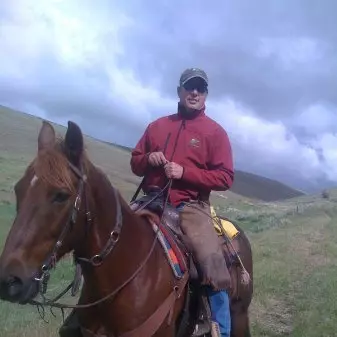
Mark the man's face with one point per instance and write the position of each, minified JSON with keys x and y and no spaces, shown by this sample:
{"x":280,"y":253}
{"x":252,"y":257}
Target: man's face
{"x":193,"y":94}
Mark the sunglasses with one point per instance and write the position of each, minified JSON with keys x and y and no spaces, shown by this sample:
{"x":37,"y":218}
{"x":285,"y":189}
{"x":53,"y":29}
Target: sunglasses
{"x":196,"y":84}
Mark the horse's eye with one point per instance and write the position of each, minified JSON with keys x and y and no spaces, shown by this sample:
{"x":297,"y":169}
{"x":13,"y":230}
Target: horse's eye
{"x":60,"y":197}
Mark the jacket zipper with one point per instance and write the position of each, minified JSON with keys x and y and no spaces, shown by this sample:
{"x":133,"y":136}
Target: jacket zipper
{"x":182,"y":125}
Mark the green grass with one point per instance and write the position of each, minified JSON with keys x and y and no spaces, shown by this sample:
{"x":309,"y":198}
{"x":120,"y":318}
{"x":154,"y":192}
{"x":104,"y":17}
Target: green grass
{"x":6,"y":215}
{"x":294,"y":277}
{"x":294,"y":247}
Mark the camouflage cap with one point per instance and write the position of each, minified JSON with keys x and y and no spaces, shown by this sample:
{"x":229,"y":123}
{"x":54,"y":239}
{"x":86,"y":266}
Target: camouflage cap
{"x":192,"y":73}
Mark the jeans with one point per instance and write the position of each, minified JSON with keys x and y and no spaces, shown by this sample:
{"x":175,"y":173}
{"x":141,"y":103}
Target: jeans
{"x":219,"y":302}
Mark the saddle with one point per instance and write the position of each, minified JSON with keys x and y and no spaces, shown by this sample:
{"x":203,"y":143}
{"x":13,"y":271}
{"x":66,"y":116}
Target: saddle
{"x":151,"y":202}
{"x":152,"y":205}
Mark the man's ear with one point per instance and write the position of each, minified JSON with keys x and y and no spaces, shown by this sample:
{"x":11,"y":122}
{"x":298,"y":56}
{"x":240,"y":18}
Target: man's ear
{"x":178,"y":91}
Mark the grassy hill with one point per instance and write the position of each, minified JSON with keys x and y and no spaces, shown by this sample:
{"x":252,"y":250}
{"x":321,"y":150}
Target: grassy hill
{"x":293,"y":244}
{"x":254,"y":186}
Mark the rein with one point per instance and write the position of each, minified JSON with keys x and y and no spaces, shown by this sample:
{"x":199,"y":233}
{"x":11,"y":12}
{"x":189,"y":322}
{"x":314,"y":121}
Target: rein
{"x":95,"y":260}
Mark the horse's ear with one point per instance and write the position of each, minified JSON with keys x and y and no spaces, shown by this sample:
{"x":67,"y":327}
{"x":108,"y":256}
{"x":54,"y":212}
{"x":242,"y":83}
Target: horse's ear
{"x":46,"y":137}
{"x":74,"y":143}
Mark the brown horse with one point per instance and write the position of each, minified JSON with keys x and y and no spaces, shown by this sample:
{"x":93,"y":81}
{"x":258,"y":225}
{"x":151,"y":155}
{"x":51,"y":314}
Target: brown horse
{"x":66,"y":204}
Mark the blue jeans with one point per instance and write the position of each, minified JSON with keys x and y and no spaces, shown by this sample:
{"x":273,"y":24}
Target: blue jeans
{"x":219,"y":302}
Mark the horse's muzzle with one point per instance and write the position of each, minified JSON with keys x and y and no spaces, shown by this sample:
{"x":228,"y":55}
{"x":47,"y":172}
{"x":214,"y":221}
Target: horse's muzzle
{"x":14,"y":289}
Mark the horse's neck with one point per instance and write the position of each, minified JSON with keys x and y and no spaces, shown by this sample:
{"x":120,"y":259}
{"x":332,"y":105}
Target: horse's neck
{"x":132,"y":245}
{"x":104,"y":204}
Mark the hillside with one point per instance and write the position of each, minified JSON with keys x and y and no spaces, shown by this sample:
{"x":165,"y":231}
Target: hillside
{"x":254,"y":186}
{"x":18,"y":132}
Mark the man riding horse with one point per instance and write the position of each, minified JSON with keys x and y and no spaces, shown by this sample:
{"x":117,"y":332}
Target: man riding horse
{"x":194,"y":151}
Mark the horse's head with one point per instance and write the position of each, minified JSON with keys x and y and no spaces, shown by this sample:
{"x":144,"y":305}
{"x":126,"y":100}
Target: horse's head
{"x":49,"y":197}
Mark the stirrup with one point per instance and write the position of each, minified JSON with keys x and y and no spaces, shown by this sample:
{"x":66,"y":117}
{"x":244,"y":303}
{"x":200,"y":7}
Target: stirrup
{"x":201,"y":329}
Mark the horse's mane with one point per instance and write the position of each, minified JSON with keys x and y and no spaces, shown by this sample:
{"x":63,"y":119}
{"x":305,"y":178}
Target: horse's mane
{"x":52,"y":166}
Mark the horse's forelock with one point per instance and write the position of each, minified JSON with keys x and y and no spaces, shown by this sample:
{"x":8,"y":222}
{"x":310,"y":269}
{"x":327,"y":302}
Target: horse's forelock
{"x":51,"y":166}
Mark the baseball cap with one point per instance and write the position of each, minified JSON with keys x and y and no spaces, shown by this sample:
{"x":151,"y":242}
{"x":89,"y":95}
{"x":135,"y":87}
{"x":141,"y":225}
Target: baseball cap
{"x":192,"y":73}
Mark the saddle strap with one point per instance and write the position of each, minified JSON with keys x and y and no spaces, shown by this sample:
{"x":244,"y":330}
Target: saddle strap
{"x":153,"y":323}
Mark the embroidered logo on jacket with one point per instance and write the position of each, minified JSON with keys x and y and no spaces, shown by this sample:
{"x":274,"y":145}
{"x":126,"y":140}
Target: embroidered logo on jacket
{"x":195,"y":142}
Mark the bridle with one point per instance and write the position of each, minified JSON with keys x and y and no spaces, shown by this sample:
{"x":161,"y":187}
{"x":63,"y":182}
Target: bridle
{"x":50,"y":263}
{"x":96,"y":259}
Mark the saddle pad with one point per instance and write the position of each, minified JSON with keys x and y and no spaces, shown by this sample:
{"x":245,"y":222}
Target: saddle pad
{"x":172,"y":251}
{"x":226,"y":226}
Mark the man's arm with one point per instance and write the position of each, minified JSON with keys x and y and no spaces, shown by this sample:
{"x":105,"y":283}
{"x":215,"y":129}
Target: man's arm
{"x":139,"y":155}
{"x":220,"y":176}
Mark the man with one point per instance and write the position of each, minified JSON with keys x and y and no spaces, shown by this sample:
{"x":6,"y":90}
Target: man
{"x":194,"y":151}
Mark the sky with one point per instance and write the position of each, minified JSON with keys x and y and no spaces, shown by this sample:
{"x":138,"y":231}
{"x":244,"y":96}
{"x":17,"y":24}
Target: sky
{"x":113,"y":67}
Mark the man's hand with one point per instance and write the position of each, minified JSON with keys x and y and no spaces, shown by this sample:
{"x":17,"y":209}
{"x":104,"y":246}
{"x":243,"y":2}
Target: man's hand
{"x":157,"y":159}
{"x":173,"y":170}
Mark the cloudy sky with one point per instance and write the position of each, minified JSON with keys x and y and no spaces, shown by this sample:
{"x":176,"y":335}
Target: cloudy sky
{"x":113,"y":67}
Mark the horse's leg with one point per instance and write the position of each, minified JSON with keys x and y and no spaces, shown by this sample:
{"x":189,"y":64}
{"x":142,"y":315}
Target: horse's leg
{"x":240,"y":323}
{"x":71,"y":326}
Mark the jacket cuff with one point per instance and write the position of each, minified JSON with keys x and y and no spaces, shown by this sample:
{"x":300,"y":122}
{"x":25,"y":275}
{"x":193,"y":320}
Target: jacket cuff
{"x":188,"y":174}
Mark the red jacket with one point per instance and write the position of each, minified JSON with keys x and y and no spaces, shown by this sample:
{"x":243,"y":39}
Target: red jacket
{"x":202,"y":149}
